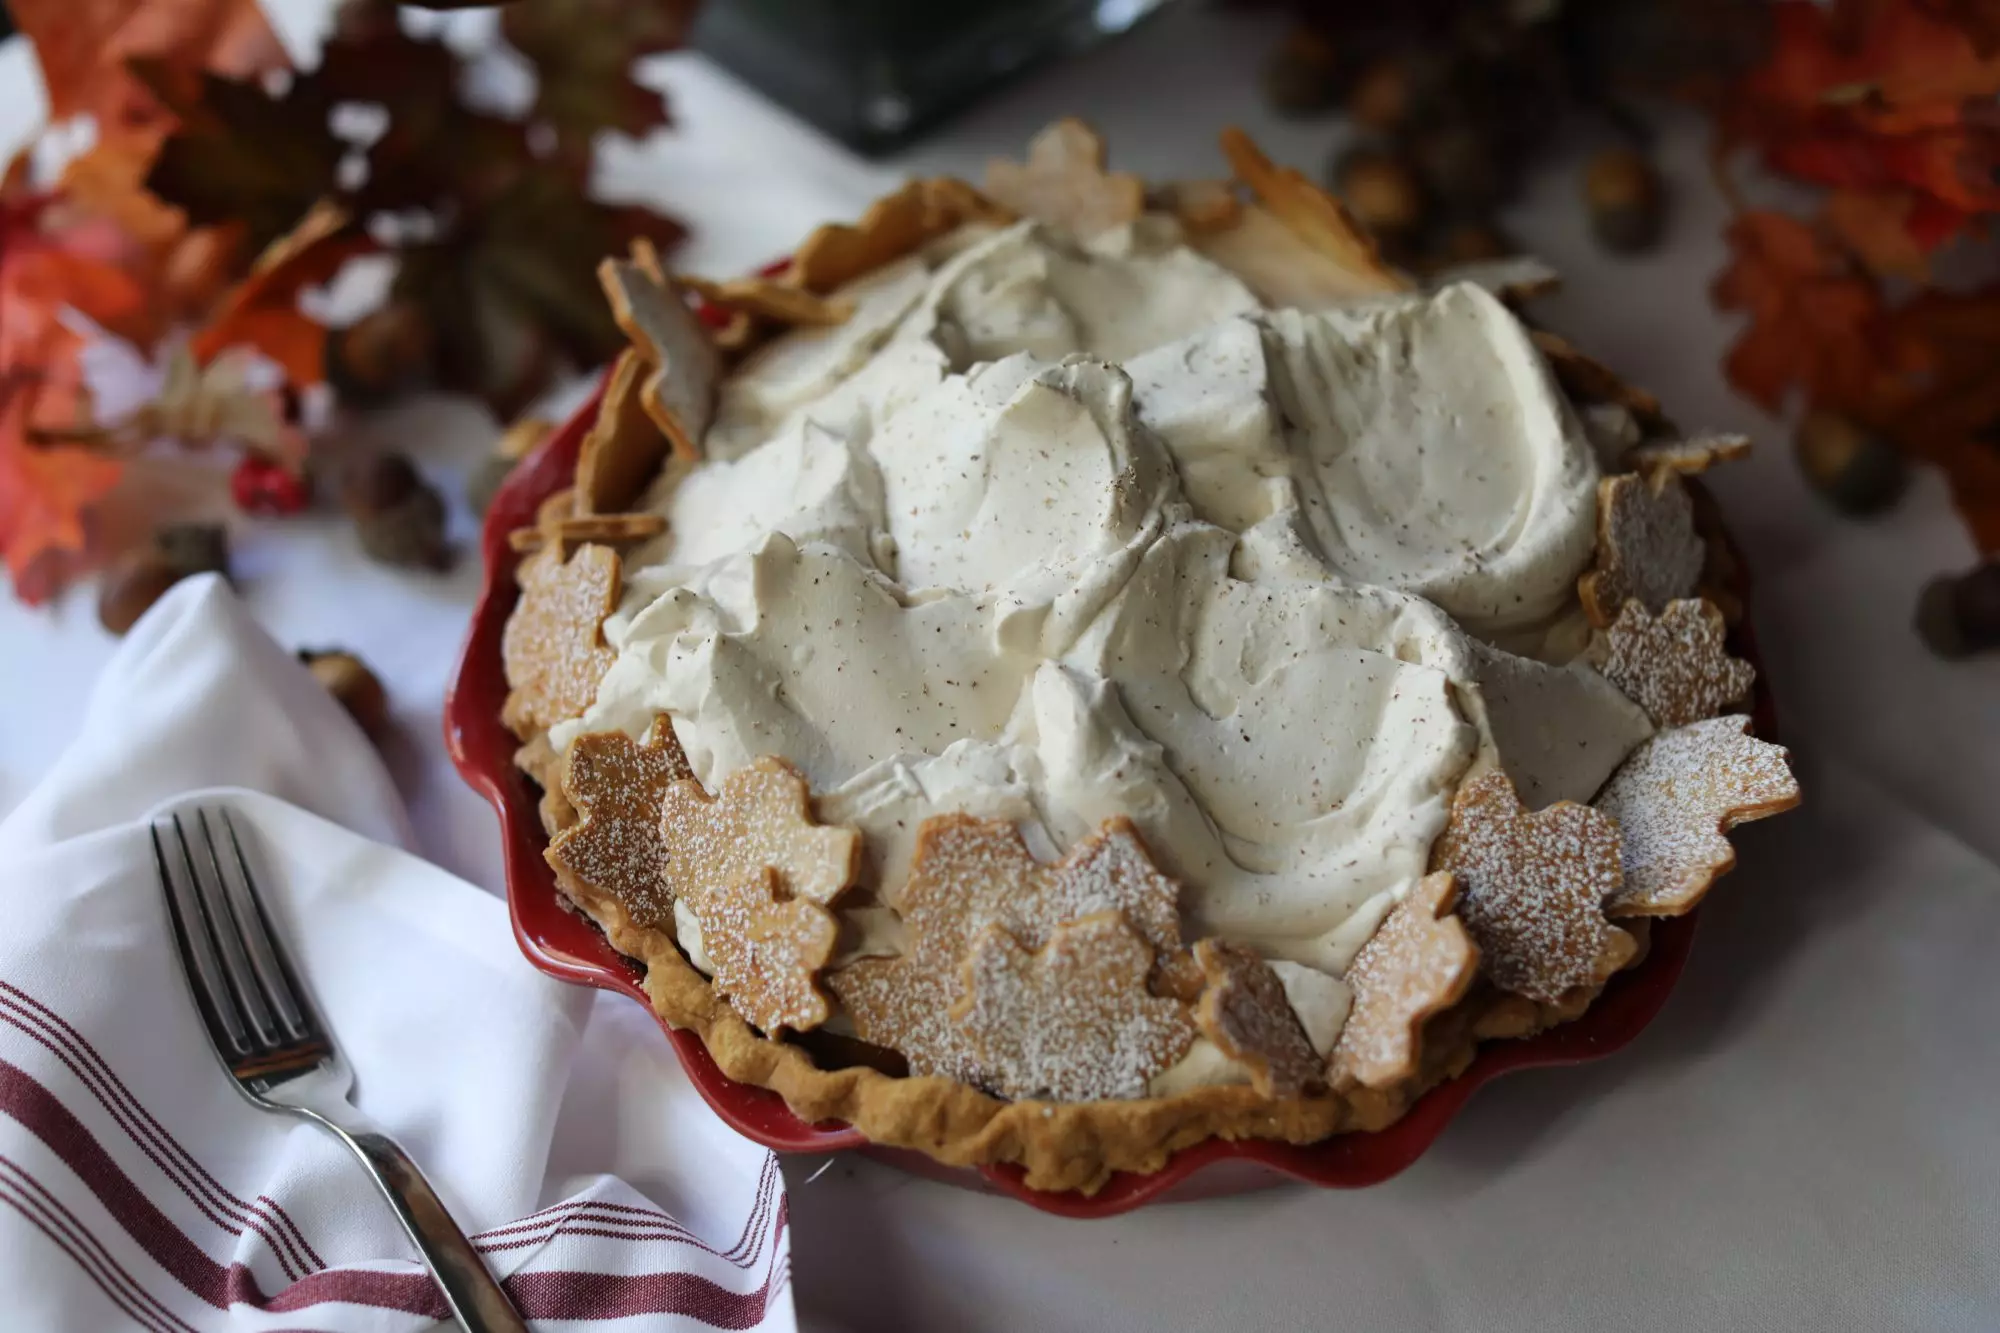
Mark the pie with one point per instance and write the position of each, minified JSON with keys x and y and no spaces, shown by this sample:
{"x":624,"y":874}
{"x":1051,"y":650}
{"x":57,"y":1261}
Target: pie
{"x":1114,"y":670}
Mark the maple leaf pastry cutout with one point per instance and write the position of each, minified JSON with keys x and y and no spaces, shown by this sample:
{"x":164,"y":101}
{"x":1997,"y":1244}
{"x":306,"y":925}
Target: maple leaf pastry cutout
{"x":618,"y":786}
{"x":1647,"y":547}
{"x":1244,"y":1010}
{"x":1064,"y":184}
{"x":1532,"y":889}
{"x":969,"y":874}
{"x":1677,"y":666}
{"x":1420,"y":962}
{"x":1072,"y":1021}
{"x":1676,"y":798}
{"x":553,"y":647}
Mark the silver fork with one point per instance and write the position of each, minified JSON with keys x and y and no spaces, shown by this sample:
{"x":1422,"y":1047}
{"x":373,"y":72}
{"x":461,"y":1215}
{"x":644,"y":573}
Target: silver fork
{"x":264,"y":1030}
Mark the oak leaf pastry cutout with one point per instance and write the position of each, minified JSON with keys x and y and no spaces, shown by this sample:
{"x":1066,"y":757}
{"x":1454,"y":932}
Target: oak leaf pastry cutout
{"x":837,"y":253}
{"x":679,"y":389}
{"x":1064,"y":184}
{"x":625,"y":447}
{"x":1676,"y":667}
{"x":553,"y":648}
{"x":1244,"y":1010}
{"x":1688,"y":457}
{"x":767,"y":949}
{"x":1317,"y":218}
{"x":1420,"y":962}
{"x":1201,"y":206}
{"x":1532,"y":889}
{"x":759,"y":818}
{"x":1675,"y":800}
{"x":617,"y":787}
{"x":1072,"y":1021}
{"x":1647,"y":546}
{"x":968,"y":874}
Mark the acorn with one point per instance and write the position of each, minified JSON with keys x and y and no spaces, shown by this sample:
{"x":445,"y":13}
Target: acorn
{"x":1381,"y":96}
{"x":1472,"y":243}
{"x":1959,"y":615}
{"x":352,"y":685}
{"x":1627,"y":200}
{"x":1381,"y":191}
{"x":385,"y":352}
{"x":131,"y":585}
{"x":1304,"y":75}
{"x":194,"y":548}
{"x":398,"y":516}
{"x":1461,"y":166}
{"x":1853,"y":467}
{"x":141,"y":576}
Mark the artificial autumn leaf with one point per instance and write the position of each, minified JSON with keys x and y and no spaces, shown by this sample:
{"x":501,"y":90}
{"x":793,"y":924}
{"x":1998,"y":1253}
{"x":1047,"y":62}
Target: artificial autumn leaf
{"x":1815,"y":324}
{"x":242,"y":155}
{"x":262,"y":311}
{"x":45,"y":492}
{"x":1979,"y":20}
{"x":582,"y":51}
{"x":1874,"y":225}
{"x":1941,"y":402}
{"x":82,"y":47}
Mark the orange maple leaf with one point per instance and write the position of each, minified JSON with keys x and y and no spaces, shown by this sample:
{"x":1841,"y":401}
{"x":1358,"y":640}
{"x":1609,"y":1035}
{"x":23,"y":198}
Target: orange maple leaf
{"x":1815,"y":323}
{"x":263,"y":310}
{"x":45,"y":492}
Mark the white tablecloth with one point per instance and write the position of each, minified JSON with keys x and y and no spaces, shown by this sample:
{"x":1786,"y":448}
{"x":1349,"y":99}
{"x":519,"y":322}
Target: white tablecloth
{"x":1802,"y":1140}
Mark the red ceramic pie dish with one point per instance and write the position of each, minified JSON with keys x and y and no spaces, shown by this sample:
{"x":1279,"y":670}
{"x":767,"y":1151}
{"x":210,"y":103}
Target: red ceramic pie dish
{"x":566,"y":945}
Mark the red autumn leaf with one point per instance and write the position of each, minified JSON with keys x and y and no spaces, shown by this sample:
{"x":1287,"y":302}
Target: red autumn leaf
{"x":1874,"y":224}
{"x":1815,"y":324}
{"x":1979,"y":20}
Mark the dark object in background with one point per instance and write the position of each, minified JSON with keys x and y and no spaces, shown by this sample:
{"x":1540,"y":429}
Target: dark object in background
{"x":1627,"y":201}
{"x":142,"y":575}
{"x":1960,"y":615}
{"x":352,"y":685}
{"x":398,"y":516}
{"x":6,"y":24}
{"x":874,"y":73}
{"x":1857,"y":470}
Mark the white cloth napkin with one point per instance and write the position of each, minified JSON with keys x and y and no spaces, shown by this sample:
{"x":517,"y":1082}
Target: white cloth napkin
{"x":137,"y":1189}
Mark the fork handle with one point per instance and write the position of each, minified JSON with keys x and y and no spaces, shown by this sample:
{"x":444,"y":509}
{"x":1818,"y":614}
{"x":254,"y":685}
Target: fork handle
{"x":475,"y":1298}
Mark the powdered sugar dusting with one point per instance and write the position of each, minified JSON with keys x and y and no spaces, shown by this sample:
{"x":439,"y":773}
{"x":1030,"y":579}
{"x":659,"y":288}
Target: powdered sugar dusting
{"x":1418,"y":963}
{"x":1676,"y":798}
{"x":1532,"y":889}
{"x":1677,"y":667}
{"x":617,"y":786}
{"x":766,"y":950}
{"x":553,"y":646}
{"x":1074,"y":1021}
{"x":970,"y":874}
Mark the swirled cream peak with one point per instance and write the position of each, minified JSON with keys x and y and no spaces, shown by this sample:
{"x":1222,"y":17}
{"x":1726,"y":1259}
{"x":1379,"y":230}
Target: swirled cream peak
{"x":1053,"y":532}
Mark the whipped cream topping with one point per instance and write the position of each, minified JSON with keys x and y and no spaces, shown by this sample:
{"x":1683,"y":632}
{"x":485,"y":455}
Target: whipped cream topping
{"x":1055,"y":531}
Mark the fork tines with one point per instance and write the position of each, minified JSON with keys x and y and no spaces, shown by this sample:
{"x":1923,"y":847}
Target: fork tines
{"x":247,"y":991}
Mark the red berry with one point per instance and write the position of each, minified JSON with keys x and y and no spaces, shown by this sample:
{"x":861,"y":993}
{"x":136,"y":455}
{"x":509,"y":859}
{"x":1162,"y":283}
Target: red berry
{"x":260,"y":486}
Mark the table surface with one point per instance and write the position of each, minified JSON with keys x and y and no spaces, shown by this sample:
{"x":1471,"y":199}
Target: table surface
{"x":1797,"y":1142}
